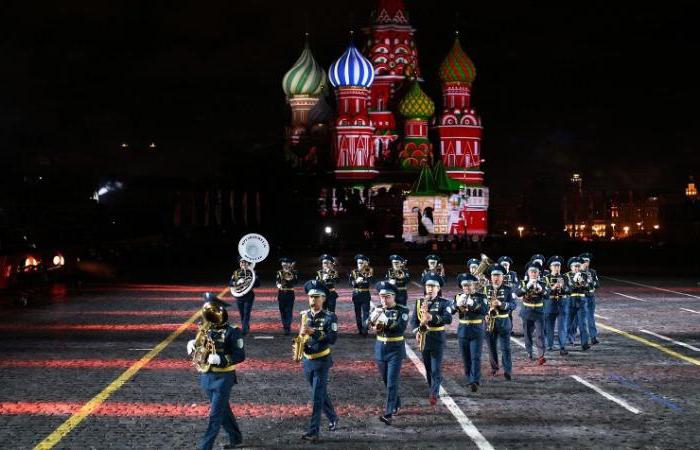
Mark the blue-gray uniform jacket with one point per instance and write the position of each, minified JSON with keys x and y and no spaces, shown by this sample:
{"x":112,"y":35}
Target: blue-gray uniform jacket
{"x":362,"y":287}
{"x":400,"y":283}
{"x":533,"y":302}
{"x":595,"y":282}
{"x":471,"y":316}
{"x":578,"y":289}
{"x":427,"y":272}
{"x":228,"y":342}
{"x":390,"y":336}
{"x":559,"y":293}
{"x":286,"y":285}
{"x":505,"y":295}
{"x":441,"y":310}
{"x":240,"y":273}
{"x":511,"y":279}
{"x":318,"y":346}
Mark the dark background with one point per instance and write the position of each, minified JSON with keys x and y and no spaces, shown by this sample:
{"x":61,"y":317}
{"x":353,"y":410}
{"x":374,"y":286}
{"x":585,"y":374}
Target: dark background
{"x":604,"y":89}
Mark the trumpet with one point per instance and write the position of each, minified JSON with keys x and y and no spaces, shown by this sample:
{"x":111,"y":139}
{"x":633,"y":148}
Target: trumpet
{"x":558,"y":284}
{"x":203,"y":347}
{"x":325,"y":275}
{"x":288,"y":275}
{"x":375,"y":318}
{"x":580,"y":280}
{"x":299,"y":341}
{"x":396,"y":274}
{"x":493,"y":312}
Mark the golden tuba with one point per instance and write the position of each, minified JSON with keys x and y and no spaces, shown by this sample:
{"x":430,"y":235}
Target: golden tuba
{"x":481,"y":269}
{"x":299,"y":341}
{"x":203,"y":347}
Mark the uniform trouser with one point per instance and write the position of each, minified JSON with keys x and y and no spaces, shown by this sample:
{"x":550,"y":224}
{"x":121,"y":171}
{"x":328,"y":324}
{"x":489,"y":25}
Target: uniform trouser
{"x":361,"y":303}
{"x":390,"y":369}
{"x":579,"y":316}
{"x":331,"y":298}
{"x":217,"y":387}
{"x":402,"y":296}
{"x":470,"y":342}
{"x":245,"y":306}
{"x":432,"y":360}
{"x":316,"y":373}
{"x":501,"y":333}
{"x":559,"y":315}
{"x":533,"y":323}
{"x":285,"y":301}
{"x":592,"y":330}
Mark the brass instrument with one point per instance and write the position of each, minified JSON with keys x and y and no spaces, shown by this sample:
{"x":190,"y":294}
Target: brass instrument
{"x":493,"y":312}
{"x":203,"y":347}
{"x":582,"y":282}
{"x":288,"y":275}
{"x":558,"y":284}
{"x":244,"y":282}
{"x":367,"y":272}
{"x":422,"y":330}
{"x":376,"y":312}
{"x":440,"y":270}
{"x":481,"y":270}
{"x":325,"y":275}
{"x":396,"y":274}
{"x":299,"y":341}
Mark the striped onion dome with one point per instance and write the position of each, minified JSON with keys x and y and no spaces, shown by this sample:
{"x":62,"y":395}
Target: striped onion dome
{"x":416,"y":104}
{"x":306,"y":77}
{"x":457,"y":67}
{"x":351,"y":69}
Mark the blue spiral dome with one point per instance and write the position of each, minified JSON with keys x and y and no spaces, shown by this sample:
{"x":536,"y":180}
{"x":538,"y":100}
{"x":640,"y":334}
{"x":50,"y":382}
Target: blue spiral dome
{"x":351,"y":69}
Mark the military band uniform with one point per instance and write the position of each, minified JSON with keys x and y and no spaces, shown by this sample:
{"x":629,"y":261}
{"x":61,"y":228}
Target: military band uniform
{"x":361,"y":296}
{"x":556,"y":310}
{"x":470,"y":334}
{"x":244,"y":302}
{"x":578,"y":303}
{"x":532,"y":315}
{"x":502,"y":328}
{"x":330,"y":280}
{"x":285,"y":297}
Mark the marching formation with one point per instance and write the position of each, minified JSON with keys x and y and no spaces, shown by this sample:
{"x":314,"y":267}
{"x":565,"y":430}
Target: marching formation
{"x":554,"y":304}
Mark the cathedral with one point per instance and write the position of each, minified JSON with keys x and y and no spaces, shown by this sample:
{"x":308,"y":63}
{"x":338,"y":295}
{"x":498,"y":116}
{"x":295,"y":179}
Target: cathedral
{"x":368,"y":123}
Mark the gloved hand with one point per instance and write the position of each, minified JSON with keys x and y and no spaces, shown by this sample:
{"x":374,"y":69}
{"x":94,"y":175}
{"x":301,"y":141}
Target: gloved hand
{"x":392,"y":281}
{"x":462,"y":300}
{"x":214,"y":359}
{"x":190,"y":346}
{"x":383,"y":319}
{"x":240,"y":281}
{"x":359,"y":280}
{"x":470,"y":302}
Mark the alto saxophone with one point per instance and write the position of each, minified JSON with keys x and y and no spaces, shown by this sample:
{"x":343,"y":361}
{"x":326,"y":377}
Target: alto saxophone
{"x":493,"y":312}
{"x":299,"y":341}
{"x":422,"y":330}
{"x":203,"y":347}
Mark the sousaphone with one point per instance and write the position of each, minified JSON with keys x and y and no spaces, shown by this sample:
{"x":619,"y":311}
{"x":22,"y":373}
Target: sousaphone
{"x":253,"y":248}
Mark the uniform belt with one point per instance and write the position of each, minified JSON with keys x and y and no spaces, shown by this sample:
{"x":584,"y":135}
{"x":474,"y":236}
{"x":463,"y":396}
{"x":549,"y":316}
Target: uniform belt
{"x":502,"y":316}
{"x":555,"y":297}
{"x":318,"y":355}
{"x":575,"y":294}
{"x":533,"y":305}
{"x":471,"y":321}
{"x":286,"y":289}
{"x":230,"y":368}
{"x":390,"y":339}
{"x":442,"y":328}
{"x":331,"y":289}
{"x":361,"y":290}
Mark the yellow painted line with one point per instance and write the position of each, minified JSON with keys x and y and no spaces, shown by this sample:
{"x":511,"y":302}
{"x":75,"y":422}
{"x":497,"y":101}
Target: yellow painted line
{"x":94,"y":403}
{"x":650,"y":344}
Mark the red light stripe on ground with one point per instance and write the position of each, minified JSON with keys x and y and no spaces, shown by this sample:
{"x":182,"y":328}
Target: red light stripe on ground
{"x":264,"y":314}
{"x":247,"y":410}
{"x":266,"y":327}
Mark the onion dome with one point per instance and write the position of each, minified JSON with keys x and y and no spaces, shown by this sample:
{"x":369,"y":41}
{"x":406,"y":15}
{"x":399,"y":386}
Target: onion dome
{"x":306,"y":77}
{"x":416,"y":104}
{"x":351,"y":69}
{"x":457,"y":67}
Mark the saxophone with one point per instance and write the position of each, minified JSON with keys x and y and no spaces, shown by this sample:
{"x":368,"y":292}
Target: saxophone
{"x":493,"y":312}
{"x":299,"y":341}
{"x":203,"y":347}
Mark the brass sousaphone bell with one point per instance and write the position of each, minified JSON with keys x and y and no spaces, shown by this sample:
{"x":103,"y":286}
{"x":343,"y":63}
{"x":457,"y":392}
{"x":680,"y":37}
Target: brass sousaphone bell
{"x":253,"y":248}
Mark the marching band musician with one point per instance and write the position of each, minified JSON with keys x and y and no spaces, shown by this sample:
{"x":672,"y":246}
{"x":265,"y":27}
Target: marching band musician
{"x":502,"y":301}
{"x":510,"y":278}
{"x":398,"y":276}
{"x":220,"y":376}
{"x":556,"y":305}
{"x":360,"y":280}
{"x":472,"y":306}
{"x":579,"y":285}
{"x":431,"y":314}
{"x":286,"y":278}
{"x":328,"y":275}
{"x":434,"y":268}
{"x":532,"y":291}
{"x":321,"y":327}
{"x":590,"y":295}
{"x":390,"y":322}
{"x":244,"y":302}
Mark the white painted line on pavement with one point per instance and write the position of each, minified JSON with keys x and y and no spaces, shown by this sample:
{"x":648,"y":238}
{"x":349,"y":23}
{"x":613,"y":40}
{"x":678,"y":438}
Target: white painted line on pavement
{"x":665,"y":338}
{"x":610,"y":397}
{"x":633,"y":298}
{"x":602,"y":317}
{"x":415,"y":283}
{"x":690,"y":310}
{"x":652,"y":287}
{"x":445,"y":398}
{"x":263,"y":337}
{"x":140,"y":349}
{"x":518,"y":341}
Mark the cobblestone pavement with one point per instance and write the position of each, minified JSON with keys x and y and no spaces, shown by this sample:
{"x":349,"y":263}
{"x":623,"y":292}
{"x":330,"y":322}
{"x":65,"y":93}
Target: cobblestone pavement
{"x":634,"y":390}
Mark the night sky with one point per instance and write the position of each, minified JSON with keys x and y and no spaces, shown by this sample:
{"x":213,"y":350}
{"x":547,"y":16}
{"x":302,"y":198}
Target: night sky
{"x":601,"y":88}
